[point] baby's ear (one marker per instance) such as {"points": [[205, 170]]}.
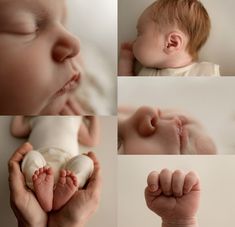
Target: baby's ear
{"points": [[173, 42]]}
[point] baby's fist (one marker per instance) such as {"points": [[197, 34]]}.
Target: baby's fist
{"points": [[174, 196]]}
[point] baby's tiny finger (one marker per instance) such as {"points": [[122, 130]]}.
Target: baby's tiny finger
{"points": [[191, 182], [152, 181], [66, 111], [75, 106], [165, 181], [126, 45], [178, 183]]}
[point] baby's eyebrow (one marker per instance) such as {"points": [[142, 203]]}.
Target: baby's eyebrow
{"points": [[42, 13]]}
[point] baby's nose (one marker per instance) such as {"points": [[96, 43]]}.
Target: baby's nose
{"points": [[67, 46], [147, 125]]}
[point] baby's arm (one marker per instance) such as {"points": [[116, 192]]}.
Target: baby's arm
{"points": [[89, 132], [126, 60], [20, 126], [174, 196]]}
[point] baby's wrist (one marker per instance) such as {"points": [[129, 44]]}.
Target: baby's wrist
{"points": [[185, 222]]}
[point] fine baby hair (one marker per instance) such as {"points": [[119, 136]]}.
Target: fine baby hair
{"points": [[190, 16]]}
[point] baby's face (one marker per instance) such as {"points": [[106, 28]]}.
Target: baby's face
{"points": [[37, 57], [149, 44], [155, 131]]}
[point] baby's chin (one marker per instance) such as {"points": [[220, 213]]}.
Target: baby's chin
{"points": [[205, 145]]}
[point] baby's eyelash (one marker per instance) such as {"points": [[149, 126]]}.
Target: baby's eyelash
{"points": [[39, 23]]}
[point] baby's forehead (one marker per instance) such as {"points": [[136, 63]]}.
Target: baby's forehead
{"points": [[37, 7], [147, 14]]}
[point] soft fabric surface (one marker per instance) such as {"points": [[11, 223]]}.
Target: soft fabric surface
{"points": [[95, 25], [97, 92]]}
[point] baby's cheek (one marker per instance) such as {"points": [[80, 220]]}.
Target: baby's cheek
{"points": [[205, 145], [139, 51]]}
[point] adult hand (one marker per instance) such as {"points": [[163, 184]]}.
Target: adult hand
{"points": [[83, 203], [23, 202], [174, 196]]}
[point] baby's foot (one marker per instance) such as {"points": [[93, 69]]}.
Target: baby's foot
{"points": [[65, 188], [43, 182]]}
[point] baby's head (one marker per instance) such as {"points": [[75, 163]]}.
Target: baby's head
{"points": [[37, 59], [169, 30], [150, 130]]}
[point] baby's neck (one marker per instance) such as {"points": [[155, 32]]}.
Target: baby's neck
{"points": [[178, 61]]}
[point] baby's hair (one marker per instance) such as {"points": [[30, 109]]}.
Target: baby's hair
{"points": [[189, 16]]}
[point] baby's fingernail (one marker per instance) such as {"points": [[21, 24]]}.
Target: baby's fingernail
{"points": [[153, 188]]}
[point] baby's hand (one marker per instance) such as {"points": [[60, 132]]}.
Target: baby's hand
{"points": [[72, 107], [173, 196], [126, 60], [126, 50]]}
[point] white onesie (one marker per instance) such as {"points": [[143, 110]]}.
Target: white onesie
{"points": [[55, 143], [195, 69]]}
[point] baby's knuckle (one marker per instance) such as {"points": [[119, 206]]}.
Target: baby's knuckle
{"points": [[178, 172], [165, 170]]}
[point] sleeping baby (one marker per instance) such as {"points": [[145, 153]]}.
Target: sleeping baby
{"points": [[40, 62], [54, 169], [170, 35], [148, 130]]}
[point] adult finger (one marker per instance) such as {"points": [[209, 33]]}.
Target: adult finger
{"points": [[17, 157], [94, 184], [16, 179]]}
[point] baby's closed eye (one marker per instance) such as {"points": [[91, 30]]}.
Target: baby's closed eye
{"points": [[24, 28]]}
